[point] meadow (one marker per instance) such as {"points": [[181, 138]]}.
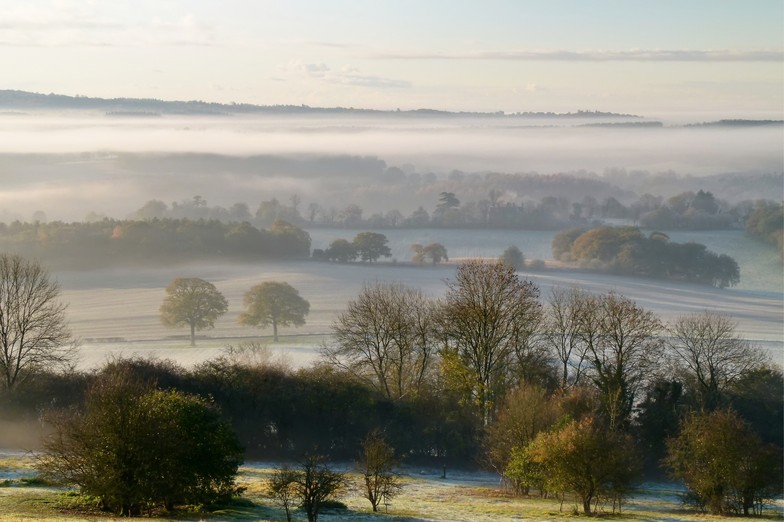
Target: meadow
{"points": [[426, 496], [114, 311]]}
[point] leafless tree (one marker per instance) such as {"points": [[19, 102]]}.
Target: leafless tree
{"points": [[281, 486], [622, 347], [33, 331], [707, 350], [385, 337], [486, 320], [561, 334]]}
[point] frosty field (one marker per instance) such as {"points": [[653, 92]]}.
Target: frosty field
{"points": [[462, 496], [115, 311]]}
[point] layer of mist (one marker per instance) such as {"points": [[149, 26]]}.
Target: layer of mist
{"points": [[70, 165]]}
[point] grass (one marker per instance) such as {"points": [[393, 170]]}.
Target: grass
{"points": [[463, 496]]}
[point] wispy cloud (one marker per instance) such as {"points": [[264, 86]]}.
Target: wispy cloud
{"points": [[601, 55], [69, 25], [343, 76]]}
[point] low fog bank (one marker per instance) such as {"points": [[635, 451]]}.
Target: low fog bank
{"points": [[69, 187], [430, 144]]}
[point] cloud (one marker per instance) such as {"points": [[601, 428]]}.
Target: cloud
{"points": [[601, 55], [345, 76], [75, 25]]}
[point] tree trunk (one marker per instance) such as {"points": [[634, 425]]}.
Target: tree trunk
{"points": [[193, 334], [275, 329], [587, 505]]}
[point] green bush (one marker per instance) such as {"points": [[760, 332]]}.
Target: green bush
{"points": [[137, 448]]}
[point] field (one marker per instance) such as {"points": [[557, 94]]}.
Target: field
{"points": [[462, 496], [115, 311]]}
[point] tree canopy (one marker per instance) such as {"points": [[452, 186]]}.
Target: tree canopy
{"points": [[274, 303], [435, 252], [371, 245], [626, 250], [194, 302]]}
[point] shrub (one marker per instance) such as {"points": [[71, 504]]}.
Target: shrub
{"points": [[137, 448], [724, 465]]}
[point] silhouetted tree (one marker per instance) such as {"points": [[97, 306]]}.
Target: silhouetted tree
{"points": [[33, 331]]}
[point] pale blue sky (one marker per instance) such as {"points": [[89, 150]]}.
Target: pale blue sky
{"points": [[661, 57]]}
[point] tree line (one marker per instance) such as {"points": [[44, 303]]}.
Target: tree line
{"points": [[562, 396], [110, 241], [499, 208]]}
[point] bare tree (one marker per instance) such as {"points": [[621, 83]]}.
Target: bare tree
{"points": [[33, 331], [316, 483], [561, 334], [281, 486], [710, 354], [487, 319], [385, 337], [376, 464], [622, 349]]}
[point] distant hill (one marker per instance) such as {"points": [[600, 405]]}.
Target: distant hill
{"points": [[737, 123], [13, 100]]}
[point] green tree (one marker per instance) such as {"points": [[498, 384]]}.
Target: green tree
{"points": [[724, 464], [342, 251], [376, 464], [435, 252], [513, 257], [526, 411], [192, 301], [371, 245], [563, 241], [136, 448], [274, 303], [33, 331], [582, 458]]}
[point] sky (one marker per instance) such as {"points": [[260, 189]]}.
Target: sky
{"points": [[665, 58]]}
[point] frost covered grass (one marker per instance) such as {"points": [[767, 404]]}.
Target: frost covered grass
{"points": [[462, 496], [116, 312]]}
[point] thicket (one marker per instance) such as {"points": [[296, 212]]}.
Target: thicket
{"points": [[625, 250], [766, 222], [109, 241], [137, 448]]}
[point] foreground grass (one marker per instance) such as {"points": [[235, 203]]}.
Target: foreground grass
{"points": [[425, 497]]}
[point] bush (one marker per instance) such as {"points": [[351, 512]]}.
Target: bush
{"points": [[724, 465], [137, 448]]}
